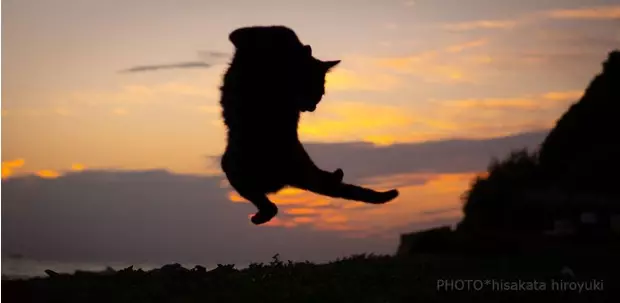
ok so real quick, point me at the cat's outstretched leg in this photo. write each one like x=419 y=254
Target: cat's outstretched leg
x=356 y=193
x=317 y=181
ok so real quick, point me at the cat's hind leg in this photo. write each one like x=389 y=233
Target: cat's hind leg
x=251 y=187
x=319 y=182
x=302 y=157
x=266 y=209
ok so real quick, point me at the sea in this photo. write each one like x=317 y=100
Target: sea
x=24 y=268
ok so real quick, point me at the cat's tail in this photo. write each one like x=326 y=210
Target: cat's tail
x=356 y=193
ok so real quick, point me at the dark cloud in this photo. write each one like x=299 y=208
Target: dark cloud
x=156 y=216
x=213 y=54
x=145 y=68
x=210 y=58
x=364 y=160
x=150 y=216
x=361 y=160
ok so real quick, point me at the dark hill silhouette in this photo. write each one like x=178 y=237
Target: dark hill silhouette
x=527 y=191
x=565 y=188
x=581 y=152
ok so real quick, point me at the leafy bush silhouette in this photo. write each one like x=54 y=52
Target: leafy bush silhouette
x=493 y=201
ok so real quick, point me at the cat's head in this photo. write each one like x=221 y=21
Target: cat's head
x=309 y=80
x=279 y=55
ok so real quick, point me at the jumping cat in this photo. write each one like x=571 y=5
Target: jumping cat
x=271 y=80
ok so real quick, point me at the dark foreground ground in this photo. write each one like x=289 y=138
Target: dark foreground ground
x=420 y=278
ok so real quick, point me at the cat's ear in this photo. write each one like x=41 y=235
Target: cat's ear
x=242 y=37
x=327 y=65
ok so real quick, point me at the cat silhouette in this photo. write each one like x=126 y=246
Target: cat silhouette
x=271 y=80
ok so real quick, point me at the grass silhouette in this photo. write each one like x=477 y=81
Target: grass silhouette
x=359 y=278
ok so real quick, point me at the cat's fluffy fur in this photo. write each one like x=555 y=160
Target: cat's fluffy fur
x=272 y=78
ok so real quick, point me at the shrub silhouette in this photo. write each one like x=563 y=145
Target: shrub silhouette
x=492 y=202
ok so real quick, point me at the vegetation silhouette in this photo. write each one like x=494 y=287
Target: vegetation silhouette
x=271 y=80
x=492 y=201
x=358 y=278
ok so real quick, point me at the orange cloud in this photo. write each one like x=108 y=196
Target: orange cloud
x=6 y=172
x=279 y=222
x=572 y=95
x=77 y=167
x=287 y=196
x=404 y=63
x=417 y=203
x=587 y=13
x=609 y=12
x=353 y=120
x=442 y=65
x=48 y=174
x=233 y=196
x=187 y=90
x=477 y=118
x=144 y=94
x=39 y=112
x=524 y=103
x=504 y=104
x=304 y=220
x=301 y=211
x=481 y=24
x=290 y=191
x=318 y=201
x=464 y=118
x=381 y=140
x=335 y=218
x=437 y=198
x=9 y=166
x=467 y=45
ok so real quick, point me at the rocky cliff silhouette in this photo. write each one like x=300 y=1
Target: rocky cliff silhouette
x=566 y=187
x=581 y=153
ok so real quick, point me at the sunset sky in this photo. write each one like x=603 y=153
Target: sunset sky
x=414 y=74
